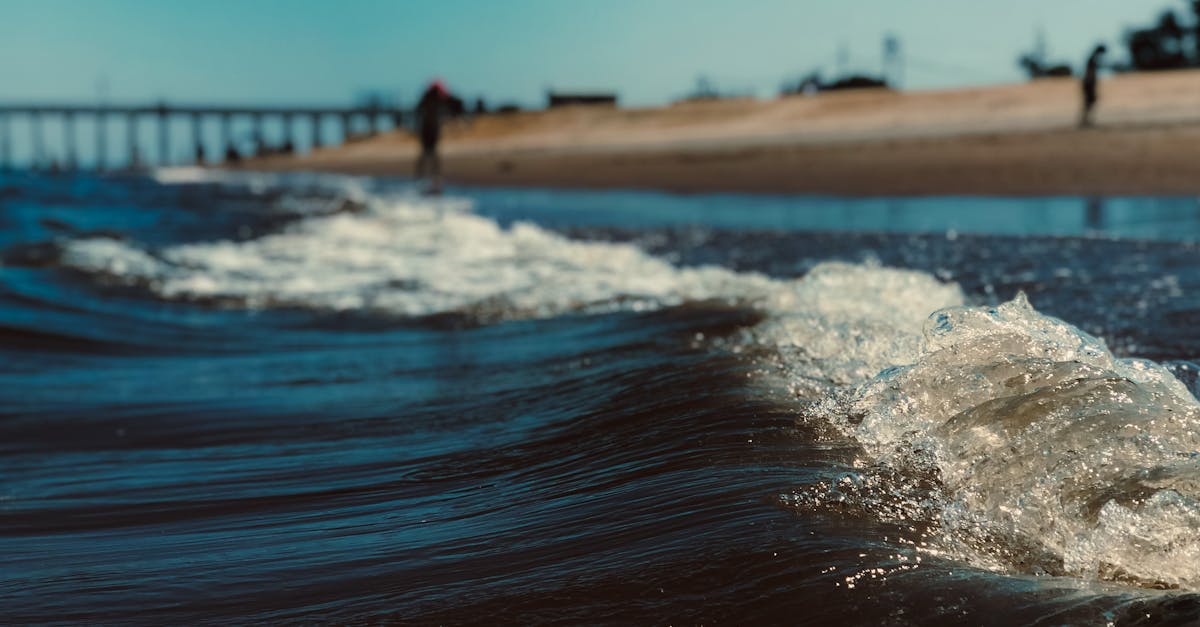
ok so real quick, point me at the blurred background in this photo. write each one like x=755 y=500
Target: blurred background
x=363 y=54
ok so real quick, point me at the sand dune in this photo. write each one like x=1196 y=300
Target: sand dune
x=1008 y=139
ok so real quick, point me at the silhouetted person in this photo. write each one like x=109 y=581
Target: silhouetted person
x=1089 y=85
x=429 y=126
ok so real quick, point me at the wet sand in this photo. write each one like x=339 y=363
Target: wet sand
x=1010 y=139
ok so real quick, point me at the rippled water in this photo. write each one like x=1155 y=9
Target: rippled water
x=233 y=399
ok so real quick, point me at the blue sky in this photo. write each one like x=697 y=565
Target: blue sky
x=650 y=51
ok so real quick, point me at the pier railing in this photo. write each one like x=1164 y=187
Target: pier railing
x=36 y=114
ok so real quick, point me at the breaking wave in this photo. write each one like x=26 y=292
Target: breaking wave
x=412 y=257
x=1052 y=455
x=1032 y=448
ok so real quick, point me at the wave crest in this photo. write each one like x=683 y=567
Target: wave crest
x=412 y=257
x=1049 y=454
x=1054 y=455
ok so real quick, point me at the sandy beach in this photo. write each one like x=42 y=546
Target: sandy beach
x=1018 y=139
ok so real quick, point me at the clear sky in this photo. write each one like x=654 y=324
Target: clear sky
x=650 y=51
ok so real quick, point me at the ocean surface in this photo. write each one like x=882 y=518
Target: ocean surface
x=241 y=398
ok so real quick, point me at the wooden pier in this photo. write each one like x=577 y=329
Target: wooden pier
x=37 y=114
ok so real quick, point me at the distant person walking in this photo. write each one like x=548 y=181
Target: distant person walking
x=430 y=110
x=1089 y=85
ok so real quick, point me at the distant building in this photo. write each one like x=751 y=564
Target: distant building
x=1035 y=68
x=565 y=98
x=813 y=84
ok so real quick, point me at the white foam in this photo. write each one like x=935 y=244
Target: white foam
x=843 y=323
x=417 y=256
x=414 y=257
x=1053 y=454
x=354 y=188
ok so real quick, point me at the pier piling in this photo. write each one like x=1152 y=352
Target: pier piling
x=289 y=142
x=164 y=141
x=101 y=139
x=131 y=137
x=39 y=146
x=227 y=135
x=70 y=159
x=260 y=143
x=5 y=144
x=198 y=137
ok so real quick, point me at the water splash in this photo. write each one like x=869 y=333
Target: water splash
x=1053 y=455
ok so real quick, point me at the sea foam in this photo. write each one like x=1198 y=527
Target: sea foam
x=1052 y=455
x=412 y=256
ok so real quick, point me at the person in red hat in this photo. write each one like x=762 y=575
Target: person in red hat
x=430 y=109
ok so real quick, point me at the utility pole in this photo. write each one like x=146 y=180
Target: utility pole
x=843 y=60
x=893 y=62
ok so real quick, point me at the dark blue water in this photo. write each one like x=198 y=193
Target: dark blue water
x=226 y=433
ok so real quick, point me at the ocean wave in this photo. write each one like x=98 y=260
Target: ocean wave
x=415 y=256
x=412 y=256
x=1034 y=449
x=1052 y=455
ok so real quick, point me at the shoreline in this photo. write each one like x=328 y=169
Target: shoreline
x=1015 y=140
